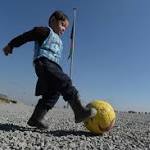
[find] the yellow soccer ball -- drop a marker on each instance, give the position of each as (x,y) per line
(104,119)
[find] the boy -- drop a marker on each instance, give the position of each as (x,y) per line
(52,81)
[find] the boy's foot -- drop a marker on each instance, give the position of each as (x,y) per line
(37,119)
(85,114)
(37,124)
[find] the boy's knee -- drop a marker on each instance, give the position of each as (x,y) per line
(70,94)
(48,102)
(67,90)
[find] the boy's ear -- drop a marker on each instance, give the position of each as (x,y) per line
(53,19)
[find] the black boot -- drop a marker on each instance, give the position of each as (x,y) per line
(37,118)
(81,113)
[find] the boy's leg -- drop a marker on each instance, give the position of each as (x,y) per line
(54,76)
(70,94)
(61,82)
(47,102)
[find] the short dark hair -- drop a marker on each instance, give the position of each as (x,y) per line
(59,15)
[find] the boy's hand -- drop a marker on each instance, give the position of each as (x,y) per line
(7,50)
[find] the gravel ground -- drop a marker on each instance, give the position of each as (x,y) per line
(131,131)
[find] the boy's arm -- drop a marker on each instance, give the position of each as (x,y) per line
(36,34)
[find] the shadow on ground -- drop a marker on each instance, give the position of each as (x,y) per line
(12,127)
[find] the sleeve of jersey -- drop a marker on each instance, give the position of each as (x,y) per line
(36,34)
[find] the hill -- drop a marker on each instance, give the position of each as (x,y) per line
(5,99)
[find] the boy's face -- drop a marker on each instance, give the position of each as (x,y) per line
(59,26)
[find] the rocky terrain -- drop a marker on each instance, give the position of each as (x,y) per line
(131,131)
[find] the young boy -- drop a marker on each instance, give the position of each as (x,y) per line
(52,81)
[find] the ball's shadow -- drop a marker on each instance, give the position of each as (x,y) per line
(12,127)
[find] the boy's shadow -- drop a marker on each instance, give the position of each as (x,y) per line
(11,127)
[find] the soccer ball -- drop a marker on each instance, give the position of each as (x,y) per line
(104,119)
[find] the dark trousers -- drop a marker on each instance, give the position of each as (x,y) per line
(52,82)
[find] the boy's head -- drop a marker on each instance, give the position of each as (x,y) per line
(59,22)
